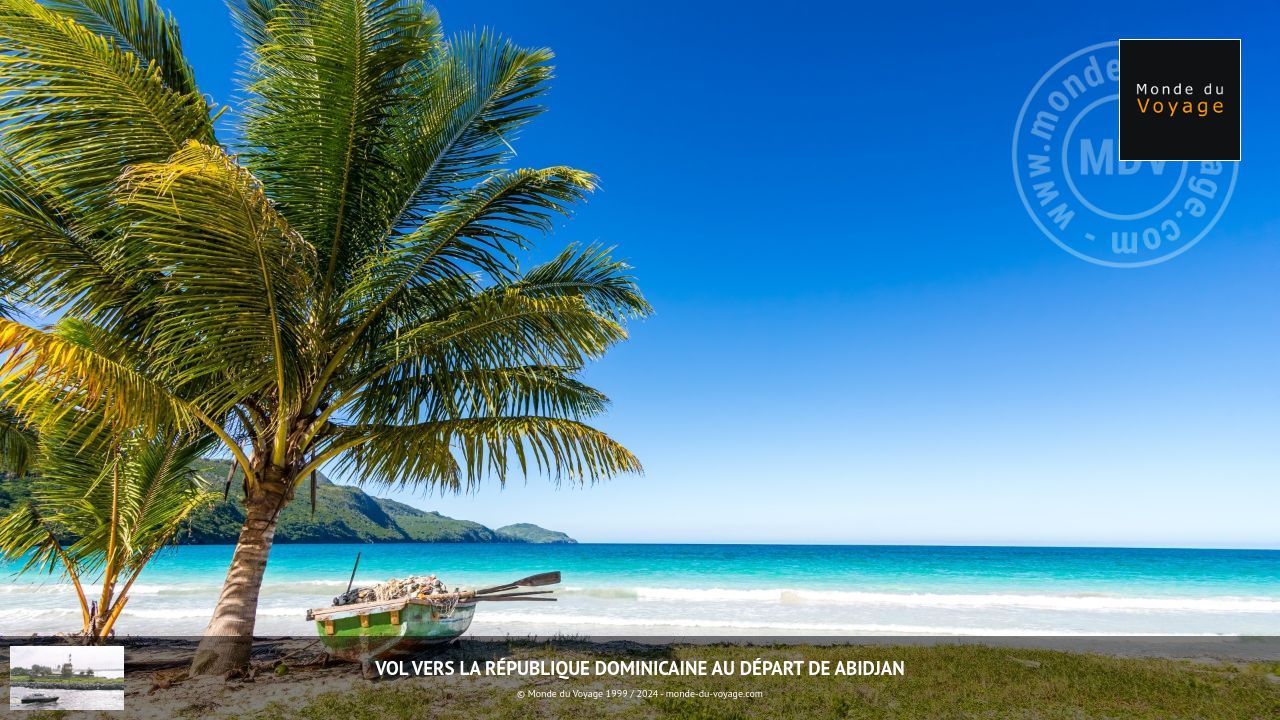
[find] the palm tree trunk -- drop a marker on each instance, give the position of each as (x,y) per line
(228,639)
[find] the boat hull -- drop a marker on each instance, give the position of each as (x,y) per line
(391,629)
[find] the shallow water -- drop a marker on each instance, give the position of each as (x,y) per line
(68,699)
(730,589)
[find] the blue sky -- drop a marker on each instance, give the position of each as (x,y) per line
(861,337)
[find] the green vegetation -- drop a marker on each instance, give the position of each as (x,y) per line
(21,678)
(100,508)
(949,681)
(17,443)
(344,283)
(343,514)
(530,533)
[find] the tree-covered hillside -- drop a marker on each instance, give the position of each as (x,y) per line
(342,514)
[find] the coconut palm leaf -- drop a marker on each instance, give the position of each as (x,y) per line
(458,454)
(324,90)
(204,223)
(52,258)
(52,375)
(17,442)
(137,26)
(27,538)
(102,506)
(344,286)
(139,487)
(75,107)
(488,93)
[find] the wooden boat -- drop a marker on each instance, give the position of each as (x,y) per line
(362,632)
(398,627)
(40,698)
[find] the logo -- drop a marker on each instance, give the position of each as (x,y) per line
(1180,100)
(1069,175)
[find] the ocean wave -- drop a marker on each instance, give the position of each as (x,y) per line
(28,613)
(544,624)
(91,589)
(206,612)
(1080,602)
(311,590)
(608,593)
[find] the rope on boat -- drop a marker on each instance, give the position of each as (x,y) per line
(447,604)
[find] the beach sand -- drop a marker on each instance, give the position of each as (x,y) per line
(1098,677)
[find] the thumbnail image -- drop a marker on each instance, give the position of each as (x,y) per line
(56,677)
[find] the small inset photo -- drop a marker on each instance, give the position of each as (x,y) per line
(57,677)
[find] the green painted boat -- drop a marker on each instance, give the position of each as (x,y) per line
(398,627)
(362,632)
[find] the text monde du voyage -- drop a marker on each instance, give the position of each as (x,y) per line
(1180,99)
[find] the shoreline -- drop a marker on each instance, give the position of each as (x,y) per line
(745,544)
(159,652)
(728,591)
(43,685)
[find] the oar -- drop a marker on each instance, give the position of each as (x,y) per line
(353,572)
(515,594)
(513,598)
(547,578)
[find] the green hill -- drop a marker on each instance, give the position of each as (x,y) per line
(530,533)
(343,514)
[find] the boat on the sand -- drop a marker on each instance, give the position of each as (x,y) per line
(362,632)
(382,629)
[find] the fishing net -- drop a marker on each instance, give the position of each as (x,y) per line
(413,586)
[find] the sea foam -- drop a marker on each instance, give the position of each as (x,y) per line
(1076,603)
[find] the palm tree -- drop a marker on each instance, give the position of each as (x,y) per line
(102,506)
(16,442)
(341,285)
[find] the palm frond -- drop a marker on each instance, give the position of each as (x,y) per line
(140,27)
(75,108)
(251,18)
(473,102)
(52,374)
(494,329)
(154,487)
(324,80)
(44,255)
(476,231)
(17,442)
(592,274)
(456,454)
(446,393)
(206,224)
(28,539)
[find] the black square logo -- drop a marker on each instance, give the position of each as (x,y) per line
(1179,99)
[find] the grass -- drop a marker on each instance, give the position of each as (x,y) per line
(941,682)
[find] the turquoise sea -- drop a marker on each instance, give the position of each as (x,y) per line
(728,589)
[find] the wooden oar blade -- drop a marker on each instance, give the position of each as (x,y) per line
(547,578)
